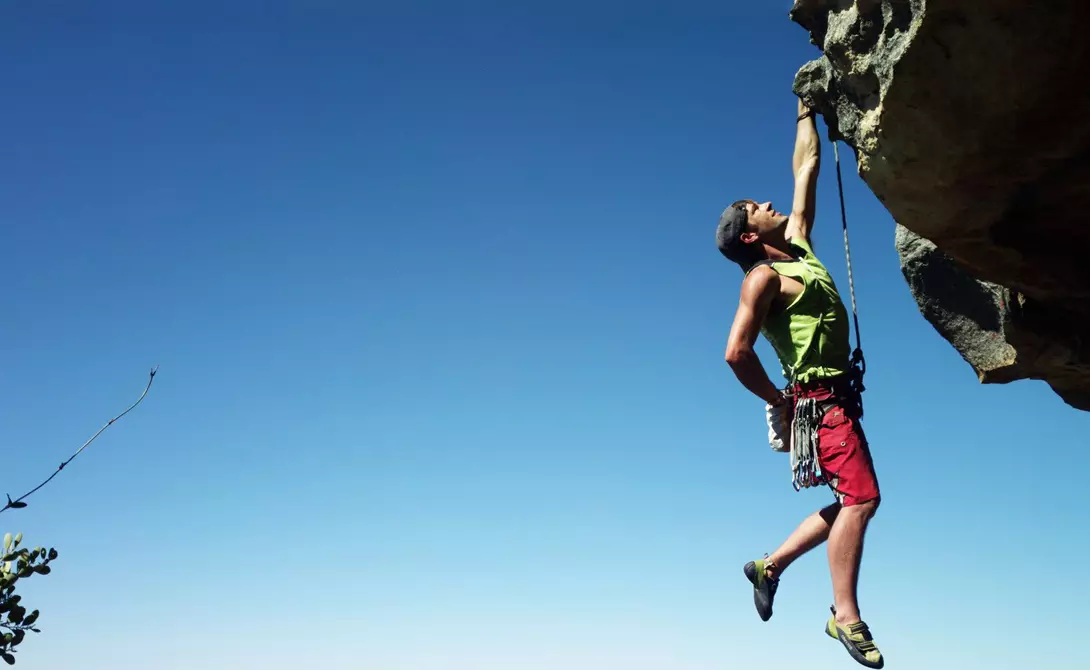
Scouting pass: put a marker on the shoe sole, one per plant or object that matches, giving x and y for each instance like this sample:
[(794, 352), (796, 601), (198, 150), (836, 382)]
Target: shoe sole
[(750, 571)]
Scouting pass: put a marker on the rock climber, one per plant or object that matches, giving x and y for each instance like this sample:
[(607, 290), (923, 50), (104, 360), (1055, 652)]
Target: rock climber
[(788, 296)]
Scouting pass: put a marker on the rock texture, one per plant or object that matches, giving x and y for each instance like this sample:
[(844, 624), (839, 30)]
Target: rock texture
[(996, 330), (970, 120)]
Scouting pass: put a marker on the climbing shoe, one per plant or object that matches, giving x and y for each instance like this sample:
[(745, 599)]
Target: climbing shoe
[(857, 639), (764, 587)]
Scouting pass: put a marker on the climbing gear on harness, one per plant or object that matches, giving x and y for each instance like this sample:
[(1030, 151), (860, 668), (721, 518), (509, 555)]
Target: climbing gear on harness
[(859, 364), (805, 469), (813, 401), (857, 639), (764, 587)]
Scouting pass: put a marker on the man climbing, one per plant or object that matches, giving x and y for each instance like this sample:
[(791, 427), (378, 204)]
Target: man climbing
[(788, 296)]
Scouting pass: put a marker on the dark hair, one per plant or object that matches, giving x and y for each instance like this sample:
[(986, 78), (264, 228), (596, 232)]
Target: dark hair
[(732, 223)]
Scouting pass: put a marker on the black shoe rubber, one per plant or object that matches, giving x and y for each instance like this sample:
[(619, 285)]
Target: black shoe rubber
[(763, 593)]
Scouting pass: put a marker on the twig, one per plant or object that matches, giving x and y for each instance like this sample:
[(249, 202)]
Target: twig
[(18, 503)]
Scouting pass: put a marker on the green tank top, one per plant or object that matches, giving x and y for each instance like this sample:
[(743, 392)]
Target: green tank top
[(811, 336)]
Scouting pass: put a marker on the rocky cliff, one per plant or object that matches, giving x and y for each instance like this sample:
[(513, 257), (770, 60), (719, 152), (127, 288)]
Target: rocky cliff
[(970, 120)]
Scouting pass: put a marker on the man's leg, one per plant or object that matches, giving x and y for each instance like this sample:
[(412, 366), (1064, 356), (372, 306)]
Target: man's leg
[(811, 532), (845, 556), (845, 460), (764, 574)]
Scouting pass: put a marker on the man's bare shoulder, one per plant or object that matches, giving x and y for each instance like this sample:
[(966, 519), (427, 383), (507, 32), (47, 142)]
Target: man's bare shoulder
[(764, 284), (760, 281)]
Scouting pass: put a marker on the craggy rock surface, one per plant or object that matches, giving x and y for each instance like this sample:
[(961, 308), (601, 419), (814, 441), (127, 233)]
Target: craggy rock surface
[(970, 120), (998, 331)]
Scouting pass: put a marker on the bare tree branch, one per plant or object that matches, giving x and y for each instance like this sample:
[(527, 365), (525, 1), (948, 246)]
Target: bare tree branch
[(18, 503)]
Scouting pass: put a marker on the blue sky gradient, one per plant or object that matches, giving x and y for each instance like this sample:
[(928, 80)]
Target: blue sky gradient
[(440, 321)]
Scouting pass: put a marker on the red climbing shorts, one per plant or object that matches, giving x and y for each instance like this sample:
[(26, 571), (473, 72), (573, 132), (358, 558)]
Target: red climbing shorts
[(843, 452)]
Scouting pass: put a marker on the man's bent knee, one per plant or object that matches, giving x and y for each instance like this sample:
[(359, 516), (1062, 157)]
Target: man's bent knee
[(866, 508)]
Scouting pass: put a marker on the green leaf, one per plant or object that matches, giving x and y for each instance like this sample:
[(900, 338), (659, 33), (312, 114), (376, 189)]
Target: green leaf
[(52, 554), (18, 538), (41, 553), (7, 542), (16, 614), (15, 600), (19, 635), (8, 637), (26, 572), (42, 569), (29, 621), (8, 658)]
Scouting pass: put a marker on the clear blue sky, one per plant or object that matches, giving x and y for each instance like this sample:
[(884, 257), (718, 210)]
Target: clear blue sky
[(440, 321)]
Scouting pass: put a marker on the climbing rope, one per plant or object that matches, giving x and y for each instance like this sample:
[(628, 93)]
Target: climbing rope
[(859, 364)]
